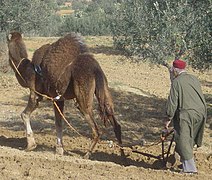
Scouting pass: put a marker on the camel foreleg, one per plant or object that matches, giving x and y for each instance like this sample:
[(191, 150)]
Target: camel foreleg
[(58, 109), (25, 115)]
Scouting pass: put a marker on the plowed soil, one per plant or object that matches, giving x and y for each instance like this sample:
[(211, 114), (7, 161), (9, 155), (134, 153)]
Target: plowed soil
[(139, 92)]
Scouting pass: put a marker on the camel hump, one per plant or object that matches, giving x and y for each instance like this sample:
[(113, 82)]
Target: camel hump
[(59, 55), (39, 53), (77, 39)]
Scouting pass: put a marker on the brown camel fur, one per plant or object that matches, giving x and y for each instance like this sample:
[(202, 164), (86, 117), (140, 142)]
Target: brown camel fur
[(68, 71)]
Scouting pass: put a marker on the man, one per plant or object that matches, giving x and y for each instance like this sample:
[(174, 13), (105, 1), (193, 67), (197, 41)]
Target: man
[(186, 107)]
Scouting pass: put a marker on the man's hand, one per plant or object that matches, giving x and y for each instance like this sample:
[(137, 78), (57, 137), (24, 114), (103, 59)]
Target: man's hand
[(167, 123)]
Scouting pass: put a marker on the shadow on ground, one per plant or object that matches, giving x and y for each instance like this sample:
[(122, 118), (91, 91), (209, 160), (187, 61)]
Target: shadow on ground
[(105, 50)]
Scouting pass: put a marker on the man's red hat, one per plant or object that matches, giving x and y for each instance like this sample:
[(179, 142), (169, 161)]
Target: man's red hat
[(179, 64)]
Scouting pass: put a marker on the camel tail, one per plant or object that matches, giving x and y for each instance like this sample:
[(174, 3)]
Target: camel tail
[(103, 96), (106, 106)]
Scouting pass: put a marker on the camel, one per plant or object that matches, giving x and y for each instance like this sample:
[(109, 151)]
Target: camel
[(63, 70)]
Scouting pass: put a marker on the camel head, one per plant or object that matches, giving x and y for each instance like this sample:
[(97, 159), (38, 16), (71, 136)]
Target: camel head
[(16, 46), (14, 36)]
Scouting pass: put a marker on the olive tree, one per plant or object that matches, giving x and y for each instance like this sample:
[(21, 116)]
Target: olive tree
[(162, 30), (26, 15)]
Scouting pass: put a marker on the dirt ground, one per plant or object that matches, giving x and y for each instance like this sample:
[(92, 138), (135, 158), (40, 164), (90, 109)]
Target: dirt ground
[(139, 92)]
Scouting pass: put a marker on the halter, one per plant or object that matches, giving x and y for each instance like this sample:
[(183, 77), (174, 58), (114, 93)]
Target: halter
[(43, 95), (16, 68)]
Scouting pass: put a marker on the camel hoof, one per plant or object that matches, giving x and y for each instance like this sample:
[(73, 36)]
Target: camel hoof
[(31, 147), (122, 153), (87, 155), (59, 150)]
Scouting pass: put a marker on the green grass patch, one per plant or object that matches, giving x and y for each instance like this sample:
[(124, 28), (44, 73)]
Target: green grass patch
[(31, 50)]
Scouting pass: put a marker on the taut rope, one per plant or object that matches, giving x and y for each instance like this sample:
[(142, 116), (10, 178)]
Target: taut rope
[(110, 143), (16, 68), (43, 95)]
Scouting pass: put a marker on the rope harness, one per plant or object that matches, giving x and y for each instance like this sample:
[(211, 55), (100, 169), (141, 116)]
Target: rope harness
[(44, 95), (111, 144)]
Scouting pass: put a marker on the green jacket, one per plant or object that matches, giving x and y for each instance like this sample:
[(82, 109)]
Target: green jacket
[(187, 107)]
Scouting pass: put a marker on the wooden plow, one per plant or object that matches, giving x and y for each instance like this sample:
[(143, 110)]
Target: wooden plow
[(163, 156)]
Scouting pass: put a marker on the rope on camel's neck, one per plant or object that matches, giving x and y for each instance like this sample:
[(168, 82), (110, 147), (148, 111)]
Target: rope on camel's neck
[(13, 60), (43, 95), (16, 68)]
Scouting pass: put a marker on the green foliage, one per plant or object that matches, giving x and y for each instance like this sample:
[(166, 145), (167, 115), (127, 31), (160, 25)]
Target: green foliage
[(155, 30), (26, 15), (61, 2), (89, 18), (201, 57), (79, 5), (162, 30), (92, 24)]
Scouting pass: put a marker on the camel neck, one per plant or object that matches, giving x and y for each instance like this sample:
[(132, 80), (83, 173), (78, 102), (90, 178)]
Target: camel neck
[(14, 61)]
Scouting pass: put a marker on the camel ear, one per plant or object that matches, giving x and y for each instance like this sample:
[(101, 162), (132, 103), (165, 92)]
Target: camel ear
[(9, 37)]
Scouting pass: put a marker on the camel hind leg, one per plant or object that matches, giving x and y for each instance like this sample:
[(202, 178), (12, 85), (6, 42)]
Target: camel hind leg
[(88, 114), (85, 102), (95, 132)]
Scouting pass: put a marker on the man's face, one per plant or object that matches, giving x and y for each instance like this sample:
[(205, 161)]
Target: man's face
[(173, 73)]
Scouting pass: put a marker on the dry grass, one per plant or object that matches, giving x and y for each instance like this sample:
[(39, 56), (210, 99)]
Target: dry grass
[(64, 12)]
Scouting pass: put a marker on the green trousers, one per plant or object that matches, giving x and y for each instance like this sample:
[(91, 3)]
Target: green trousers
[(189, 127)]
